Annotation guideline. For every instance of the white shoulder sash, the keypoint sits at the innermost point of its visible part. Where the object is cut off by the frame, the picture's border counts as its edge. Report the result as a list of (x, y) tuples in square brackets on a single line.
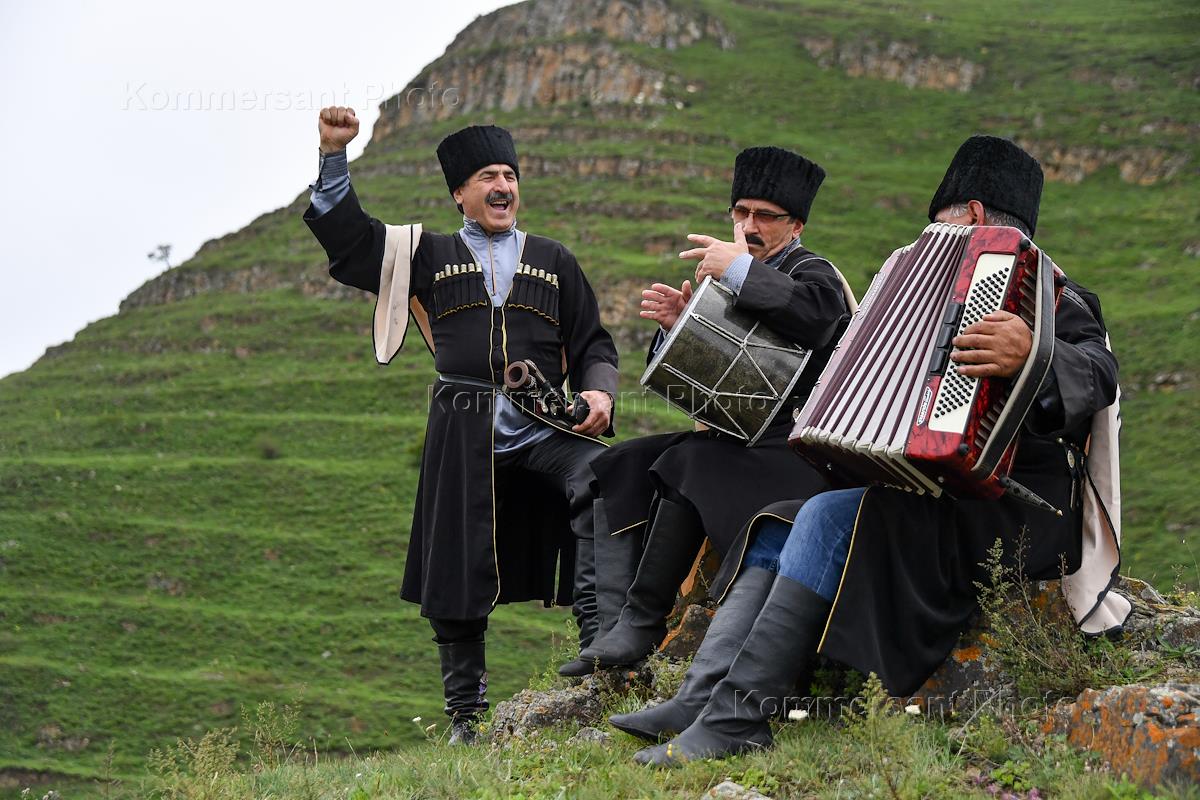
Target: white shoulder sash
[(1096, 608), (395, 274)]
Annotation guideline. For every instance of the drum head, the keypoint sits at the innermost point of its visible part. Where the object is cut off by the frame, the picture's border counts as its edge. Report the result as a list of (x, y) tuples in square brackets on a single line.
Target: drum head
[(722, 367)]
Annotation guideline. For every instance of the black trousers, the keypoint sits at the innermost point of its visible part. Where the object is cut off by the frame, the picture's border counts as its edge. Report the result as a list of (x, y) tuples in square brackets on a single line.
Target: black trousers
[(567, 457), (458, 631)]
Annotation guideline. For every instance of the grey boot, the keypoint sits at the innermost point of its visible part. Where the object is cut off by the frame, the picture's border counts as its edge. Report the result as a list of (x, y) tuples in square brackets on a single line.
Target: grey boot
[(780, 647), (464, 682), (614, 567), (617, 559), (584, 607), (728, 630), (675, 537)]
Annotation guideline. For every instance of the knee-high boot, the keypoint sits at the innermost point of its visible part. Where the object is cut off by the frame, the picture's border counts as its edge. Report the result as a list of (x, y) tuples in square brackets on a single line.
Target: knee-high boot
[(728, 630), (464, 682), (612, 569), (781, 645), (585, 606), (675, 537)]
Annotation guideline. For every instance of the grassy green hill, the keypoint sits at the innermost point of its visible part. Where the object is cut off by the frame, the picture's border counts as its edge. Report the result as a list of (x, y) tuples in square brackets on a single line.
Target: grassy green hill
[(204, 500)]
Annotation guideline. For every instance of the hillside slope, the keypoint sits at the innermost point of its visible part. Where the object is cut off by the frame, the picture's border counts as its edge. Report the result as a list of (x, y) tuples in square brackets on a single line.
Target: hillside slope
[(205, 498)]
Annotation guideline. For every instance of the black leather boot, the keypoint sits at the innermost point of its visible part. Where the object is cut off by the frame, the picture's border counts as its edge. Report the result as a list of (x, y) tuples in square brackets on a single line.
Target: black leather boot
[(780, 647), (614, 567), (464, 682), (585, 607), (617, 559), (721, 644), (675, 537)]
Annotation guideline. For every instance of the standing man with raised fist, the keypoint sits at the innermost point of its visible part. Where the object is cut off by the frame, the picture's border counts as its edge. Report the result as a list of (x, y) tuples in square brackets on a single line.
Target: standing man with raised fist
[(484, 297)]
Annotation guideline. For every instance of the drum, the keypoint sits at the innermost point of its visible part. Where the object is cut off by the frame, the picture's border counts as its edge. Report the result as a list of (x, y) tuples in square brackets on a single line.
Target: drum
[(722, 367)]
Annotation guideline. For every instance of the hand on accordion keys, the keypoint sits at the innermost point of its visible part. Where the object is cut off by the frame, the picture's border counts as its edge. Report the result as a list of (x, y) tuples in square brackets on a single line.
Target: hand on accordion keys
[(996, 346)]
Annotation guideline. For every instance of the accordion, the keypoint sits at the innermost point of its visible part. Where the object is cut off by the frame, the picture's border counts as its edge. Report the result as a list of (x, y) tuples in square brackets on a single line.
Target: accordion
[(892, 408)]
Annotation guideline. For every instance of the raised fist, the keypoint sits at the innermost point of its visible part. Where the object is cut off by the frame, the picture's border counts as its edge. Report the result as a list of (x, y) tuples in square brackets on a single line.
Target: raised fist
[(338, 126)]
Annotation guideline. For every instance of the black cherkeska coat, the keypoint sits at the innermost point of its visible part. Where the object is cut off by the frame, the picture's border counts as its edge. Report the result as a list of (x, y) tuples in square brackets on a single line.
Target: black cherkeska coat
[(908, 588), (482, 535), (803, 300)]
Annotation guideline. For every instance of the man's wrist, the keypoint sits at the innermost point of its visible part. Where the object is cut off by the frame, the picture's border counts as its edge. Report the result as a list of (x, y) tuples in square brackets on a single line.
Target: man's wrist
[(735, 274), (331, 149), (612, 401)]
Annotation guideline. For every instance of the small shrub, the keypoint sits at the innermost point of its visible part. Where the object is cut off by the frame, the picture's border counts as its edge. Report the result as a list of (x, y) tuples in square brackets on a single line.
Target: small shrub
[(274, 730), (192, 770), (667, 674), (1042, 650), (563, 648), (268, 448)]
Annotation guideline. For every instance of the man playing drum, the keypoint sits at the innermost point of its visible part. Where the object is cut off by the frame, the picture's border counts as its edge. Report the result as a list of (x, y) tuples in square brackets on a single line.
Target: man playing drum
[(672, 490)]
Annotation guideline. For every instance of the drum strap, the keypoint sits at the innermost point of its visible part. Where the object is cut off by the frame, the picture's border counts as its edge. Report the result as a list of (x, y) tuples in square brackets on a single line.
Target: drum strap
[(847, 292)]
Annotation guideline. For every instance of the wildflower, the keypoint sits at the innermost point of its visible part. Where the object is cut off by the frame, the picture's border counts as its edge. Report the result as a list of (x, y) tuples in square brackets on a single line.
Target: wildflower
[(913, 709), (416, 719), (797, 714)]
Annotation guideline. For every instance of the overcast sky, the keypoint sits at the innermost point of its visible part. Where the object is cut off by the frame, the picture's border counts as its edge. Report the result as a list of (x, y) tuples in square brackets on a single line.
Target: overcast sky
[(103, 159)]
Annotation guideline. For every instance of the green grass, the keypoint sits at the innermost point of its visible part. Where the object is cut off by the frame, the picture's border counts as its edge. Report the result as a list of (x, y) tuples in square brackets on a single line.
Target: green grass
[(871, 750), (199, 500)]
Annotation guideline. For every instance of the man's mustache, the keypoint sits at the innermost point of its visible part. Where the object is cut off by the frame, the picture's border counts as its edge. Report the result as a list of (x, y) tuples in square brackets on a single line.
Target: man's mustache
[(495, 197), (754, 238)]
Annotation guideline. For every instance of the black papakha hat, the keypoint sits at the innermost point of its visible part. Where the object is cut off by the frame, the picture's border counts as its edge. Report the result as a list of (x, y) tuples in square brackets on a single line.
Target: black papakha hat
[(998, 174), (787, 179), (465, 152)]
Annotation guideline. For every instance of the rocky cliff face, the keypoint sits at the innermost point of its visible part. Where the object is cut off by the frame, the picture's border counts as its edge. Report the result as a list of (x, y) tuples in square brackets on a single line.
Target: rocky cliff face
[(551, 53), (1141, 165), (894, 61)]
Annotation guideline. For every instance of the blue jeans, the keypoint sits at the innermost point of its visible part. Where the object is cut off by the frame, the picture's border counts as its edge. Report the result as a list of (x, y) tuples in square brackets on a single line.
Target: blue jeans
[(813, 550)]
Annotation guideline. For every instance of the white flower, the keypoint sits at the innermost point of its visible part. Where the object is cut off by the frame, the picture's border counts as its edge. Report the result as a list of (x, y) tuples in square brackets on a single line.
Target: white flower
[(913, 709), (797, 714), (416, 719)]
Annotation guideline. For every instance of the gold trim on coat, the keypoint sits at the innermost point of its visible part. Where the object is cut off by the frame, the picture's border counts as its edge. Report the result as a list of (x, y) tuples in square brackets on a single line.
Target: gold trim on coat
[(845, 569)]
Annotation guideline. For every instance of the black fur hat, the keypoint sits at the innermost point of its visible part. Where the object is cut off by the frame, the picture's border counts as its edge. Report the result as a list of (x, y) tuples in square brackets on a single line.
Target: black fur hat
[(465, 152), (998, 174), (780, 176)]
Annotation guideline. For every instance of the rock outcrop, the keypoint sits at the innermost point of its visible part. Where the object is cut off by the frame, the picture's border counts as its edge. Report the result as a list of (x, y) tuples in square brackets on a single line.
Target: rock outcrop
[(530, 710), (1151, 733), (180, 284), (973, 675), (581, 166), (1143, 166), (899, 62), (550, 53)]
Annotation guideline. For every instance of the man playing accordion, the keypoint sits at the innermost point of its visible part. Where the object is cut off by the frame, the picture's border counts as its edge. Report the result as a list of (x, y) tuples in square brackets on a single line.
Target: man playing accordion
[(882, 579)]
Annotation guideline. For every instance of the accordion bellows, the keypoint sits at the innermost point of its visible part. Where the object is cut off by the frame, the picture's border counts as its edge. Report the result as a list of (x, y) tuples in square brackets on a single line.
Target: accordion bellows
[(891, 407)]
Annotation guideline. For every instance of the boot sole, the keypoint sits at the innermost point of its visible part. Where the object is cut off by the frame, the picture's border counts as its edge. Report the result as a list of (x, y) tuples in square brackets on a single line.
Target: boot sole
[(577, 669), (654, 737)]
